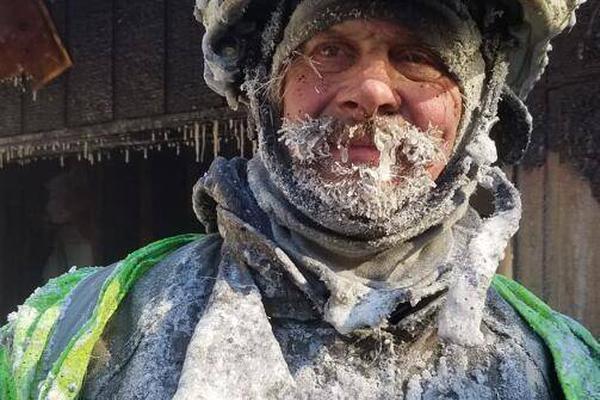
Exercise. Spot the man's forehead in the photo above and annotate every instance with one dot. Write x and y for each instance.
(359, 30)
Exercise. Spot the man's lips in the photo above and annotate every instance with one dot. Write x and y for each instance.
(358, 154)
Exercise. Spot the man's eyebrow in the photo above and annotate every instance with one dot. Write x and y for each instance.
(329, 34)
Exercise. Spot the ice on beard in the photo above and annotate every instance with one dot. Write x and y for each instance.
(373, 192)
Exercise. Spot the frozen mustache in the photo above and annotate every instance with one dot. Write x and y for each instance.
(402, 146)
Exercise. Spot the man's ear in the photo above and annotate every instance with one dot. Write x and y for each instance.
(512, 133)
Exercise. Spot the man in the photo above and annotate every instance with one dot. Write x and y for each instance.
(344, 260)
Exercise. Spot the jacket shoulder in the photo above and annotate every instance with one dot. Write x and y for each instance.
(141, 352)
(522, 354)
(52, 334)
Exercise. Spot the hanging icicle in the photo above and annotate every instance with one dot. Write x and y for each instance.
(215, 134)
(236, 136)
(203, 142)
(197, 141)
(242, 139)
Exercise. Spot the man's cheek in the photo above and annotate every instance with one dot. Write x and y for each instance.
(438, 111)
(304, 94)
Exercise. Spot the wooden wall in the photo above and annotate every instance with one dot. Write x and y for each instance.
(137, 65)
(557, 250)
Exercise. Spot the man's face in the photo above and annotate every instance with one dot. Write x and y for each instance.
(360, 69)
(370, 119)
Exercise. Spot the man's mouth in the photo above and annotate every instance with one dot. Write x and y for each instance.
(356, 154)
(356, 146)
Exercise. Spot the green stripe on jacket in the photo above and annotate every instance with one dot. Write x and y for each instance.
(23, 340)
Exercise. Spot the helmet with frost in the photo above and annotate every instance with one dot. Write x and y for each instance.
(238, 37)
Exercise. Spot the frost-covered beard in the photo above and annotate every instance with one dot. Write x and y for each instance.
(374, 190)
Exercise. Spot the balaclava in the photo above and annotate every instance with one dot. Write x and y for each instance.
(450, 33)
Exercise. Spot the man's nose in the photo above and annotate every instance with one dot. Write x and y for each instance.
(369, 93)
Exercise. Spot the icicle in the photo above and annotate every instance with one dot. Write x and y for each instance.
(85, 149)
(34, 95)
(177, 149)
(230, 131)
(203, 143)
(108, 156)
(242, 138)
(99, 156)
(62, 161)
(153, 137)
(126, 156)
(145, 153)
(215, 134)
(197, 141)
(237, 137)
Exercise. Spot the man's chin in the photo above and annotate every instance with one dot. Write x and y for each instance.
(360, 194)
(335, 172)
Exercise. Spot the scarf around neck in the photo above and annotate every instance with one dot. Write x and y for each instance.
(352, 284)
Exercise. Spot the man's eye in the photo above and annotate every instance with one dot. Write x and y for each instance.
(330, 51)
(417, 64)
(332, 57)
(414, 56)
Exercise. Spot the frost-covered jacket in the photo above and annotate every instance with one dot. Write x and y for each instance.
(228, 316)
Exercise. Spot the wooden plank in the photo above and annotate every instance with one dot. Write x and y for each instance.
(571, 235)
(139, 58)
(186, 90)
(573, 251)
(10, 109)
(529, 242)
(90, 90)
(45, 109)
